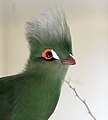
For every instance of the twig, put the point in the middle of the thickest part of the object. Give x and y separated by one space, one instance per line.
83 101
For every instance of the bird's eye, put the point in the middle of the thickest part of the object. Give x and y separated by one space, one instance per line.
49 54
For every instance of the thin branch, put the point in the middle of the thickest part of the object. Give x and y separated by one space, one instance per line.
83 101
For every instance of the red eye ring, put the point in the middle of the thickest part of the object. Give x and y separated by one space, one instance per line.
47 54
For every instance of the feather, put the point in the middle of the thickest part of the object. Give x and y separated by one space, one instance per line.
50 28
34 93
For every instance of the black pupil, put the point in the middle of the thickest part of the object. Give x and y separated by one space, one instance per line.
48 54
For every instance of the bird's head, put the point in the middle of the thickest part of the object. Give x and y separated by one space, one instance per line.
50 40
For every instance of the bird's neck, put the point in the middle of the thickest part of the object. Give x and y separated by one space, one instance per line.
51 73
41 90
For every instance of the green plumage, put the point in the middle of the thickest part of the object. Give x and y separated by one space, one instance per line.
33 94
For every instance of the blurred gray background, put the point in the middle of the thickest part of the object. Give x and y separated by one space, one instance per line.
88 21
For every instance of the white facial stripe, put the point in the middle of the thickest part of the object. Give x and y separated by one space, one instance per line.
55 55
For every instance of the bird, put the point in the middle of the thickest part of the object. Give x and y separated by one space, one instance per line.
34 93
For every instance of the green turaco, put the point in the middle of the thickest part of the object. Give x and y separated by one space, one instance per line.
34 93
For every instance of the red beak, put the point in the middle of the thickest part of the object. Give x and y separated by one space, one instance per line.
70 61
